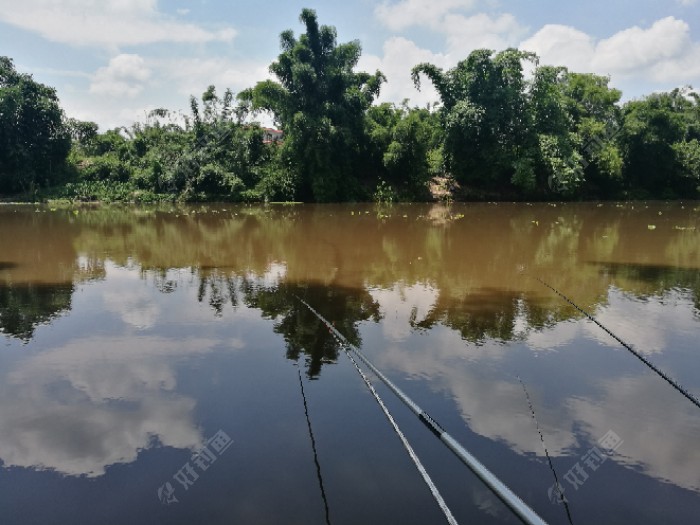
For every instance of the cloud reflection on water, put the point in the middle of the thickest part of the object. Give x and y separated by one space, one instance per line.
92 403
639 406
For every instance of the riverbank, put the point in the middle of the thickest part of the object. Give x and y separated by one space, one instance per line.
440 189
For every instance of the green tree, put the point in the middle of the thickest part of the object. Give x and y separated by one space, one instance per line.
552 135
407 158
596 118
34 142
209 154
484 111
575 118
552 152
320 103
82 133
657 163
687 154
403 144
224 156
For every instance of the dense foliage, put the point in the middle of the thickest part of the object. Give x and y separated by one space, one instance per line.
496 133
33 140
320 103
209 154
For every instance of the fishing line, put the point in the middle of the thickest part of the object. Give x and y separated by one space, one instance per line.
313 446
557 485
424 473
634 352
511 500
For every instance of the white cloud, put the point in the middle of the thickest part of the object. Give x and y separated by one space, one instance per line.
400 55
555 338
464 34
561 45
124 76
663 53
401 303
635 322
107 23
149 83
407 13
684 70
495 406
133 304
191 76
637 48
59 412
637 409
107 116
492 407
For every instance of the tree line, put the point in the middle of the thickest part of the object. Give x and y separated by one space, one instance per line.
505 127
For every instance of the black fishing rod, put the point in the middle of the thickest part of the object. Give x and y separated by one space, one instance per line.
511 500
675 384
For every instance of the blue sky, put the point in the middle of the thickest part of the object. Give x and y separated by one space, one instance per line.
113 60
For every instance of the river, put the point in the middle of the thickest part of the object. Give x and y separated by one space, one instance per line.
158 366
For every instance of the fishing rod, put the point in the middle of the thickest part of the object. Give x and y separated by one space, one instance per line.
424 473
507 496
675 384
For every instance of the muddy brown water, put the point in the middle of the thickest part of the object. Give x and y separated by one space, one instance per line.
150 362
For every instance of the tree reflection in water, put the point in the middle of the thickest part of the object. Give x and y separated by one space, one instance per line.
303 332
24 306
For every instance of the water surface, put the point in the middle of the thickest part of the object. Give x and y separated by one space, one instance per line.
157 366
